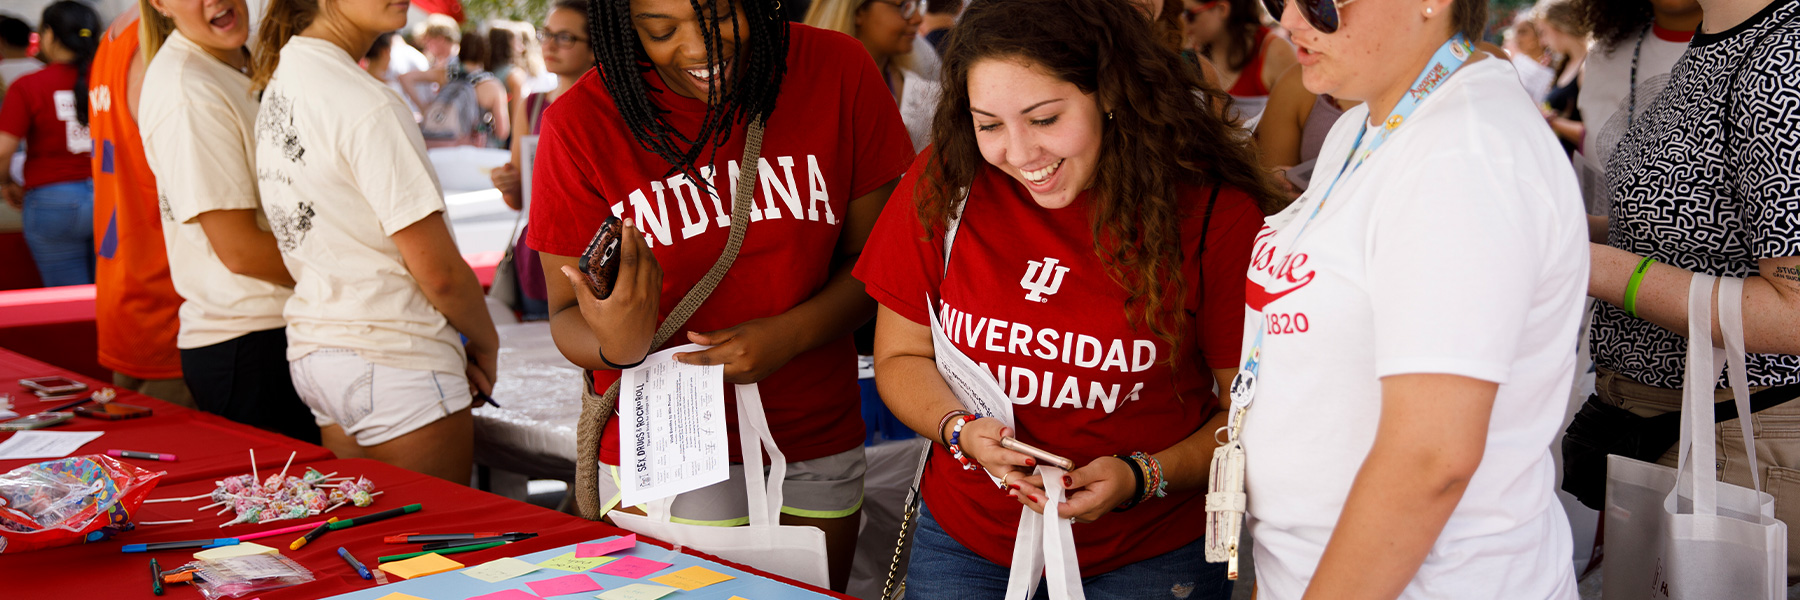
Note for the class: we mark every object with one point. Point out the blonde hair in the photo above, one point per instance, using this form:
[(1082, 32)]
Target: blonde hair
[(285, 19), (153, 30), (442, 26), (840, 16)]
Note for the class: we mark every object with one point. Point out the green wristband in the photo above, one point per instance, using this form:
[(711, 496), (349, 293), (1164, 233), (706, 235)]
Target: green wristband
[(1631, 288)]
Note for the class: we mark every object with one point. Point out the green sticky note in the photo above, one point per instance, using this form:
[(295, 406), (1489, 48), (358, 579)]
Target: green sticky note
[(500, 570), (569, 562), (637, 591)]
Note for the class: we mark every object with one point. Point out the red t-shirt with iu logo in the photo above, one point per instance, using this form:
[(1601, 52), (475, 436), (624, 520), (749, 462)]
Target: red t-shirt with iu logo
[(1026, 297), (835, 135)]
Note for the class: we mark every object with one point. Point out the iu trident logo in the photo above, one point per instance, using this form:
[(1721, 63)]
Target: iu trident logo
[(1041, 279)]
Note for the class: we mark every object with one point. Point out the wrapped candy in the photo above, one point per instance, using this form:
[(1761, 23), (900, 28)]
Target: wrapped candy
[(58, 502)]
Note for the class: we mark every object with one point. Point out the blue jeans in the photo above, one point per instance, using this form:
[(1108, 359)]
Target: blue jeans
[(59, 229), (942, 569)]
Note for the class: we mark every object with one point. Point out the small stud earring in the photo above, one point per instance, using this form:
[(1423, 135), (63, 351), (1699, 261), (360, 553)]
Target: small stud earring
[(1427, 11), (1109, 115)]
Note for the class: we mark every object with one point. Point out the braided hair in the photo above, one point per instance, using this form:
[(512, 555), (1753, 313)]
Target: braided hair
[(761, 61)]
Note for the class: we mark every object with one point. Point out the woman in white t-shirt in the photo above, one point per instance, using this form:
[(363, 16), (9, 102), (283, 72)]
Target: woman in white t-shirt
[(889, 29), (1407, 339), (381, 291), (198, 122)]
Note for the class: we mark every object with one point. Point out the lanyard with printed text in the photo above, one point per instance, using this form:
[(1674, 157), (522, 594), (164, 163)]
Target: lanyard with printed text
[(1446, 61)]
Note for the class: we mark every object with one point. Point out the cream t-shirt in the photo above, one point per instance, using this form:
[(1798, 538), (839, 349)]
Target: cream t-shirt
[(342, 167), (198, 121)]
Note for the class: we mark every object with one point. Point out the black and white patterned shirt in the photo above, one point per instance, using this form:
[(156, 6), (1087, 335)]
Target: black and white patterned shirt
[(1696, 192)]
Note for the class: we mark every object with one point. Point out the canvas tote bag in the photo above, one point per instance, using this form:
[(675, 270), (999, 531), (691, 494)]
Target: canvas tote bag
[(1681, 533)]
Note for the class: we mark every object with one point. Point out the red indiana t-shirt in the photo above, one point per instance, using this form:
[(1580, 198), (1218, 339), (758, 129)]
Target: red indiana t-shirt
[(40, 109), (835, 135), (1028, 299)]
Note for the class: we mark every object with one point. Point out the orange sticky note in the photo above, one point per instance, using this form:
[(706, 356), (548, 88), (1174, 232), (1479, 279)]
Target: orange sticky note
[(692, 578), (420, 566)]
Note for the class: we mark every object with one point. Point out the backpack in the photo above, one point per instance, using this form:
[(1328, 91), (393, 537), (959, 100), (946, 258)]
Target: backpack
[(455, 113)]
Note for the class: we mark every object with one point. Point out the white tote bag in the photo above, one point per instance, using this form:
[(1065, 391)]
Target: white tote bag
[(795, 552), (1681, 533)]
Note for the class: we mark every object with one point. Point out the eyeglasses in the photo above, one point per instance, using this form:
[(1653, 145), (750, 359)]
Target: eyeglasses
[(561, 39), (908, 8), (1321, 14)]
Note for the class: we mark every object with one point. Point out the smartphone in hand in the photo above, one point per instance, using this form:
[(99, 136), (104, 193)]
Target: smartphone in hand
[(601, 260)]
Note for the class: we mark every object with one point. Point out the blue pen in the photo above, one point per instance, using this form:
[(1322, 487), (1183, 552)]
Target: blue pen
[(360, 569), (201, 544)]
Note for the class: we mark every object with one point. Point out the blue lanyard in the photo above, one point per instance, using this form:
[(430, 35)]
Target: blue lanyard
[(1447, 60)]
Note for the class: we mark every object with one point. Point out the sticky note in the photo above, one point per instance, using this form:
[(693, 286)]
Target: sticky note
[(500, 570), (632, 567), (737, 598), (420, 566), (637, 591), (604, 548), (693, 578), (569, 562), (241, 549), (567, 584), (399, 596), (506, 595)]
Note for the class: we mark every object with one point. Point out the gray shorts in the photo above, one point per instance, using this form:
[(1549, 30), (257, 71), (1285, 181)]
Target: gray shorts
[(823, 488)]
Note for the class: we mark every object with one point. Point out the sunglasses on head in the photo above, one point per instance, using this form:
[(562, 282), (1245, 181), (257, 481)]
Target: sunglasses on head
[(1321, 14)]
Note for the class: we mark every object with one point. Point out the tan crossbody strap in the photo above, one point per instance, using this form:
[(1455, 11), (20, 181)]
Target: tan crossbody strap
[(596, 409)]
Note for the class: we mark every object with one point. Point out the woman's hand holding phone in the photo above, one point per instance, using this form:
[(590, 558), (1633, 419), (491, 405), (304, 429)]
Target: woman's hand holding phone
[(625, 321)]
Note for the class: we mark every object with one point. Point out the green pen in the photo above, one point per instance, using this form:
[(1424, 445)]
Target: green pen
[(371, 518), (454, 550)]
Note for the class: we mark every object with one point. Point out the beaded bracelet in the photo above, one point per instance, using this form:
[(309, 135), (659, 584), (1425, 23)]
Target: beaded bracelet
[(946, 421), (1137, 472), (956, 441)]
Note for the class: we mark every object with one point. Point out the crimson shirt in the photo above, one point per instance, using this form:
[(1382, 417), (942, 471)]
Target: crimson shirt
[(835, 135), (30, 114), (1084, 383)]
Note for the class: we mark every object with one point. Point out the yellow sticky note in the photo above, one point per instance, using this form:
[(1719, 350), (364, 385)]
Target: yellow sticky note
[(731, 598), (692, 578), (420, 566), (399, 596), (242, 549), (636, 591), (568, 562), (500, 570)]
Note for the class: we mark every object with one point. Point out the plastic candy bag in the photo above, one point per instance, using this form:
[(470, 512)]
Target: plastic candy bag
[(238, 576), (58, 502)]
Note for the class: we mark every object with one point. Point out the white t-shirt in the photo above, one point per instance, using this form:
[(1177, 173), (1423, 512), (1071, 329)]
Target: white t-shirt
[(342, 167), (403, 59), (14, 68), (1605, 94), (198, 119), (1457, 248)]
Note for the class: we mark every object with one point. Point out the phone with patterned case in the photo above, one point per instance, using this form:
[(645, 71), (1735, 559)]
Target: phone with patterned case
[(601, 260)]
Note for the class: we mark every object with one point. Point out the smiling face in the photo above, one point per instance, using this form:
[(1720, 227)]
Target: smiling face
[(673, 39), (219, 26), (1039, 129), (572, 59), (883, 31)]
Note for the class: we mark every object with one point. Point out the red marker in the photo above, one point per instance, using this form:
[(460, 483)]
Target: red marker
[(143, 455)]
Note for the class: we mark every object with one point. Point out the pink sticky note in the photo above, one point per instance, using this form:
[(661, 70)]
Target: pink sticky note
[(631, 567), (604, 548), (506, 595), (567, 584)]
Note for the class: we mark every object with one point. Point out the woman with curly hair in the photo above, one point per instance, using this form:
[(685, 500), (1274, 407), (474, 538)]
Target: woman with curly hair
[(1072, 158)]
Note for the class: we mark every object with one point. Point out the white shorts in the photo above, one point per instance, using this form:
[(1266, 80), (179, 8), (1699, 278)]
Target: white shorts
[(341, 389)]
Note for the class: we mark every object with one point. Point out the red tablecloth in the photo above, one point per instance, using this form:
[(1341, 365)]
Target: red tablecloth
[(100, 570), (207, 446)]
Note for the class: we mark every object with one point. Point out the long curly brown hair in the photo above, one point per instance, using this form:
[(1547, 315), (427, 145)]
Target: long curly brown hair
[(1161, 137)]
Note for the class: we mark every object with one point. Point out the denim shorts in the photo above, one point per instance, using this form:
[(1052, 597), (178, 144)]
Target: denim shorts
[(942, 569)]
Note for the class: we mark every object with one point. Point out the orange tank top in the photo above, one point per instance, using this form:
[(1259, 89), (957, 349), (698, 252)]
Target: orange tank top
[(135, 302)]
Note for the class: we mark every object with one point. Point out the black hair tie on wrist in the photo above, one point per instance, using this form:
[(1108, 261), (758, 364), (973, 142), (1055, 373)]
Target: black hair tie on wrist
[(602, 353), (1138, 473)]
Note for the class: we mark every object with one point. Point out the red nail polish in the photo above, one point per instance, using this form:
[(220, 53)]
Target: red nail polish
[(1037, 499), (1068, 482), (1030, 462), (1013, 485)]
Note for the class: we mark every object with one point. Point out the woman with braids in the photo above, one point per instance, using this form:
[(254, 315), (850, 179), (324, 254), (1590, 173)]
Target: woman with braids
[(381, 293), (1073, 154), (653, 135), (48, 110)]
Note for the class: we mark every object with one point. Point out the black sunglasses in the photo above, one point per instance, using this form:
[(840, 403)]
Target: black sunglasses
[(1321, 14)]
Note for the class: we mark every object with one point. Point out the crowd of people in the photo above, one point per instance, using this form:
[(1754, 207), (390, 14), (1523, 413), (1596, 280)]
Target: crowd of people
[(1356, 241)]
